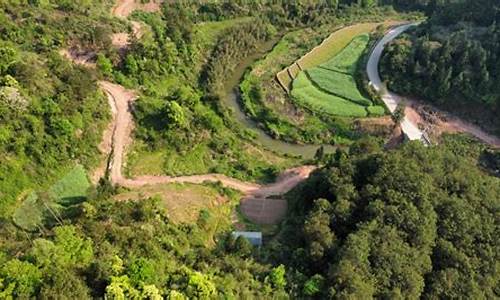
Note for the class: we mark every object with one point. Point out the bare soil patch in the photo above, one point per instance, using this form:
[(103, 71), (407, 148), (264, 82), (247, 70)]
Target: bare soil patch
[(435, 122), (124, 8), (79, 57)]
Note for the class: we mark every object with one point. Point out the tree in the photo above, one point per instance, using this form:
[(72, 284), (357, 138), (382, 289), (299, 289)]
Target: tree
[(175, 115), (8, 57), (104, 64), (277, 277), (20, 278), (399, 113), (314, 285)]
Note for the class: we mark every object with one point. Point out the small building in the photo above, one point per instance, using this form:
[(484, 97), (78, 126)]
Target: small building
[(254, 237)]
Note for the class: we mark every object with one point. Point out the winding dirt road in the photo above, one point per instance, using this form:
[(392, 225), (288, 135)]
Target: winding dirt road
[(121, 100)]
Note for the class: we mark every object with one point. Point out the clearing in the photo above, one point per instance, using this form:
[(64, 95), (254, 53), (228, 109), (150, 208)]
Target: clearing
[(40, 206), (182, 201)]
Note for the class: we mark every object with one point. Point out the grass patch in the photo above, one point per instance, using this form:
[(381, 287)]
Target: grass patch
[(347, 59), (72, 188), (306, 94), (339, 84), (37, 207)]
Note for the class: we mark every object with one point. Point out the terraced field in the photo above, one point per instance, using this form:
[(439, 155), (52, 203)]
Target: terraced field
[(330, 87)]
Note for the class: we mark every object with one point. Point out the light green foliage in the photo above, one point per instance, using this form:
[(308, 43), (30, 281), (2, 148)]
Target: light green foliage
[(339, 84), (175, 115), (314, 285), (347, 59), (305, 94), (19, 279), (140, 271), (200, 286), (277, 277), (376, 110), (104, 64), (8, 56), (68, 250)]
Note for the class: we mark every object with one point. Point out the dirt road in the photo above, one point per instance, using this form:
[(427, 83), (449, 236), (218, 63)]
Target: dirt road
[(121, 101)]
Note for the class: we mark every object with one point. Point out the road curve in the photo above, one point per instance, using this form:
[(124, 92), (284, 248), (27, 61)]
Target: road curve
[(121, 100), (391, 100)]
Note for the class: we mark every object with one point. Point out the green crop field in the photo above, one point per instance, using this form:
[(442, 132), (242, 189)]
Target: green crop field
[(346, 60), (334, 44), (336, 83), (376, 110), (307, 95), (331, 88)]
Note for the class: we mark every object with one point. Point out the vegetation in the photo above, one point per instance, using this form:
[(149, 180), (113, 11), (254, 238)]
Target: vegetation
[(336, 83), (51, 112), (265, 101), (413, 223), (346, 60), (452, 61), (330, 88), (306, 94)]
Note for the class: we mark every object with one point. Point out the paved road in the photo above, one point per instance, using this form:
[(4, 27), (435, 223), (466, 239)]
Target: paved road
[(390, 99)]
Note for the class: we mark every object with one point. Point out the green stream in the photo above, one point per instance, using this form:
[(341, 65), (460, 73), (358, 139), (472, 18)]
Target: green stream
[(232, 100)]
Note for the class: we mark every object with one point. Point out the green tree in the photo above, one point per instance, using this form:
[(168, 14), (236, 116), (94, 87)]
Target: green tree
[(21, 278), (277, 277), (175, 115), (104, 64)]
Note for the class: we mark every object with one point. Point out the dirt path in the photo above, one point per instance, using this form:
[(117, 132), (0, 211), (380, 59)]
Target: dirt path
[(124, 8), (259, 202)]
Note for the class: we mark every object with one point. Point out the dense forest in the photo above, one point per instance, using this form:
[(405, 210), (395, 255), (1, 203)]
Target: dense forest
[(412, 222), (451, 60)]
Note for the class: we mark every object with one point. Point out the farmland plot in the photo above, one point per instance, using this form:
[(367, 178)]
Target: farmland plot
[(307, 95), (330, 87), (338, 84)]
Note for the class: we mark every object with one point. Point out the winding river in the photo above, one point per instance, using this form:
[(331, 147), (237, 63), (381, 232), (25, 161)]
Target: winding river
[(232, 100)]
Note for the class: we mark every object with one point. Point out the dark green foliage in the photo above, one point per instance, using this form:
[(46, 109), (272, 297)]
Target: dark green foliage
[(416, 222), (452, 64)]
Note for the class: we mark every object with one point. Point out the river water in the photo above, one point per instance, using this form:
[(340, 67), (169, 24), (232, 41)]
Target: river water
[(231, 100)]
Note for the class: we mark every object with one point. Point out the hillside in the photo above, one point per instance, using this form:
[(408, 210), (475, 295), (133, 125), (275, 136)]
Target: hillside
[(139, 138)]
